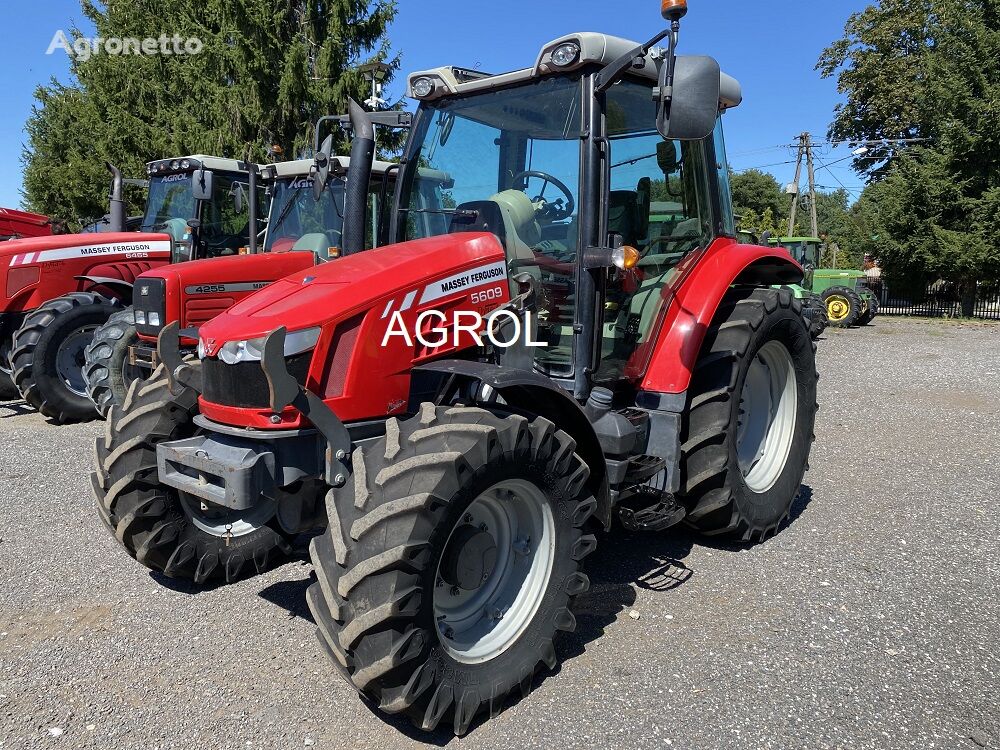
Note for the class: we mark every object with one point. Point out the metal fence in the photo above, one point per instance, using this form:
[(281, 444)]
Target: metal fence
[(940, 299)]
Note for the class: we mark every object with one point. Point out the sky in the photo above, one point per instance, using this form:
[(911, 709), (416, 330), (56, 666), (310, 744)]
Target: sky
[(771, 48)]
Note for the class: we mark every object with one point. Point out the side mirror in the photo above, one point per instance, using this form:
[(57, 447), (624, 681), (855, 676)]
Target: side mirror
[(321, 168), (239, 198), (204, 182), (688, 110)]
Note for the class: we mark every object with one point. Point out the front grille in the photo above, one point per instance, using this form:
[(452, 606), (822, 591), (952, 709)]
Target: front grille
[(243, 385), (150, 296)]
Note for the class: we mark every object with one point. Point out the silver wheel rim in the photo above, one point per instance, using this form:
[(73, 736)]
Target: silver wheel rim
[(223, 522), (70, 359), (768, 409), (479, 624)]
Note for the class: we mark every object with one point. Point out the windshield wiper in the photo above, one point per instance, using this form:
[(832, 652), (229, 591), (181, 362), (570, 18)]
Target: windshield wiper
[(285, 209)]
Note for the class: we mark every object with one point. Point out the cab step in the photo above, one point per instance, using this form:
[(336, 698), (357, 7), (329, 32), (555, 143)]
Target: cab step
[(661, 515)]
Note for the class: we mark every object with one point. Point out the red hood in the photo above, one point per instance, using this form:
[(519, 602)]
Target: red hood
[(338, 290), (22, 248)]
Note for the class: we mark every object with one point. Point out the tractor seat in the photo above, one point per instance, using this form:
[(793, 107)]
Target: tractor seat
[(317, 243)]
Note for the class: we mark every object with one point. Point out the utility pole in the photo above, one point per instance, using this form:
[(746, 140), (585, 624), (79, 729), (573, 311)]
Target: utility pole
[(795, 191), (805, 154), (812, 186)]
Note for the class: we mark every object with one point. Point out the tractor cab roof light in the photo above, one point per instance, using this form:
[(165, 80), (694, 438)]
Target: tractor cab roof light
[(422, 87), (565, 54)]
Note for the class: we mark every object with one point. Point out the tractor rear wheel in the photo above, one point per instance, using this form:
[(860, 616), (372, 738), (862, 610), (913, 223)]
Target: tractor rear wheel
[(751, 411), (48, 355), (165, 530), (451, 561), (107, 371), (843, 306)]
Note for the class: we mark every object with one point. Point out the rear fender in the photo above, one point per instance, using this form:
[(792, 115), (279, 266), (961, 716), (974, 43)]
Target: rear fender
[(691, 304), (525, 393)]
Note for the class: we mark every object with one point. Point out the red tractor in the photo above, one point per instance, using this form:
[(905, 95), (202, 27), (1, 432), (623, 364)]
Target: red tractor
[(306, 199), (16, 224), (58, 290), (460, 414)]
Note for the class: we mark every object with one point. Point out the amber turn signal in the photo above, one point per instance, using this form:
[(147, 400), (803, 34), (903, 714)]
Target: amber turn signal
[(674, 10), (626, 258)]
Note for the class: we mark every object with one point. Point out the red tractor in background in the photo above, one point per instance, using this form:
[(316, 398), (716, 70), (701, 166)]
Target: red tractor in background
[(459, 480), (15, 224), (305, 227), (58, 290)]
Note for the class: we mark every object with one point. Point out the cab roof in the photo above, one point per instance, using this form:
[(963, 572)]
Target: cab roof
[(595, 49), (302, 167)]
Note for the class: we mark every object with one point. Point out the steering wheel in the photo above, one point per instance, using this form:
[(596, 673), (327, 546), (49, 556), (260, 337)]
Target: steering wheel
[(555, 210)]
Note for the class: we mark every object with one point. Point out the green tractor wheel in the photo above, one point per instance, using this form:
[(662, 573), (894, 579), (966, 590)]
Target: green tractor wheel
[(843, 306)]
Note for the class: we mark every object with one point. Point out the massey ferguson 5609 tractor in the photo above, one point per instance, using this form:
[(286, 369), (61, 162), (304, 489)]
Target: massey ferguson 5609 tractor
[(305, 228), (58, 290), (459, 483)]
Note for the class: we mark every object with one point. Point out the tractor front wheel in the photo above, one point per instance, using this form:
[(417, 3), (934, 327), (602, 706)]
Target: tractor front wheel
[(843, 306), (8, 391), (48, 355), (451, 561), (107, 370), (751, 411), (870, 312), (165, 530)]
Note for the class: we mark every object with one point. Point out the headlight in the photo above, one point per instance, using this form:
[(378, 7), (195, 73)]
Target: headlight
[(252, 350), (175, 165), (422, 87), (201, 349), (154, 319), (565, 54), (140, 317), (186, 164)]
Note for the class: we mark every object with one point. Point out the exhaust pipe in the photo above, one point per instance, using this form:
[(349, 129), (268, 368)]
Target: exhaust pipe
[(116, 214), (358, 178)]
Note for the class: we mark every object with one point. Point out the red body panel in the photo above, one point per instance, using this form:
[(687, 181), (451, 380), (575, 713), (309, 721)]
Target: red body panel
[(35, 270), (17, 224), (198, 290), (688, 306), (355, 300)]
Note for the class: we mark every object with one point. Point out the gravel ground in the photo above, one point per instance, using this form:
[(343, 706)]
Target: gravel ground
[(871, 621)]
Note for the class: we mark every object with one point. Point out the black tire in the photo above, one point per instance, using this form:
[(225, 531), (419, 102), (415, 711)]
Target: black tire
[(841, 295), (8, 391), (107, 370), (36, 352), (149, 519), (377, 562), (817, 318), (713, 487), (871, 312)]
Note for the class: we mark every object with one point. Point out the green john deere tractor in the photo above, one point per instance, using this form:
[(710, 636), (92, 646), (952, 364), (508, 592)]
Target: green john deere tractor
[(845, 293), (813, 306)]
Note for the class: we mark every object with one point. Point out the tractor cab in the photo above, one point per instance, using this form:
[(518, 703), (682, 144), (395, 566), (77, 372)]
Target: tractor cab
[(298, 221), (564, 162), (200, 202)]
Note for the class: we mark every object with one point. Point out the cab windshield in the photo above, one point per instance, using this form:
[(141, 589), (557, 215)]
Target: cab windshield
[(297, 218), (300, 222), (170, 201), (510, 160)]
